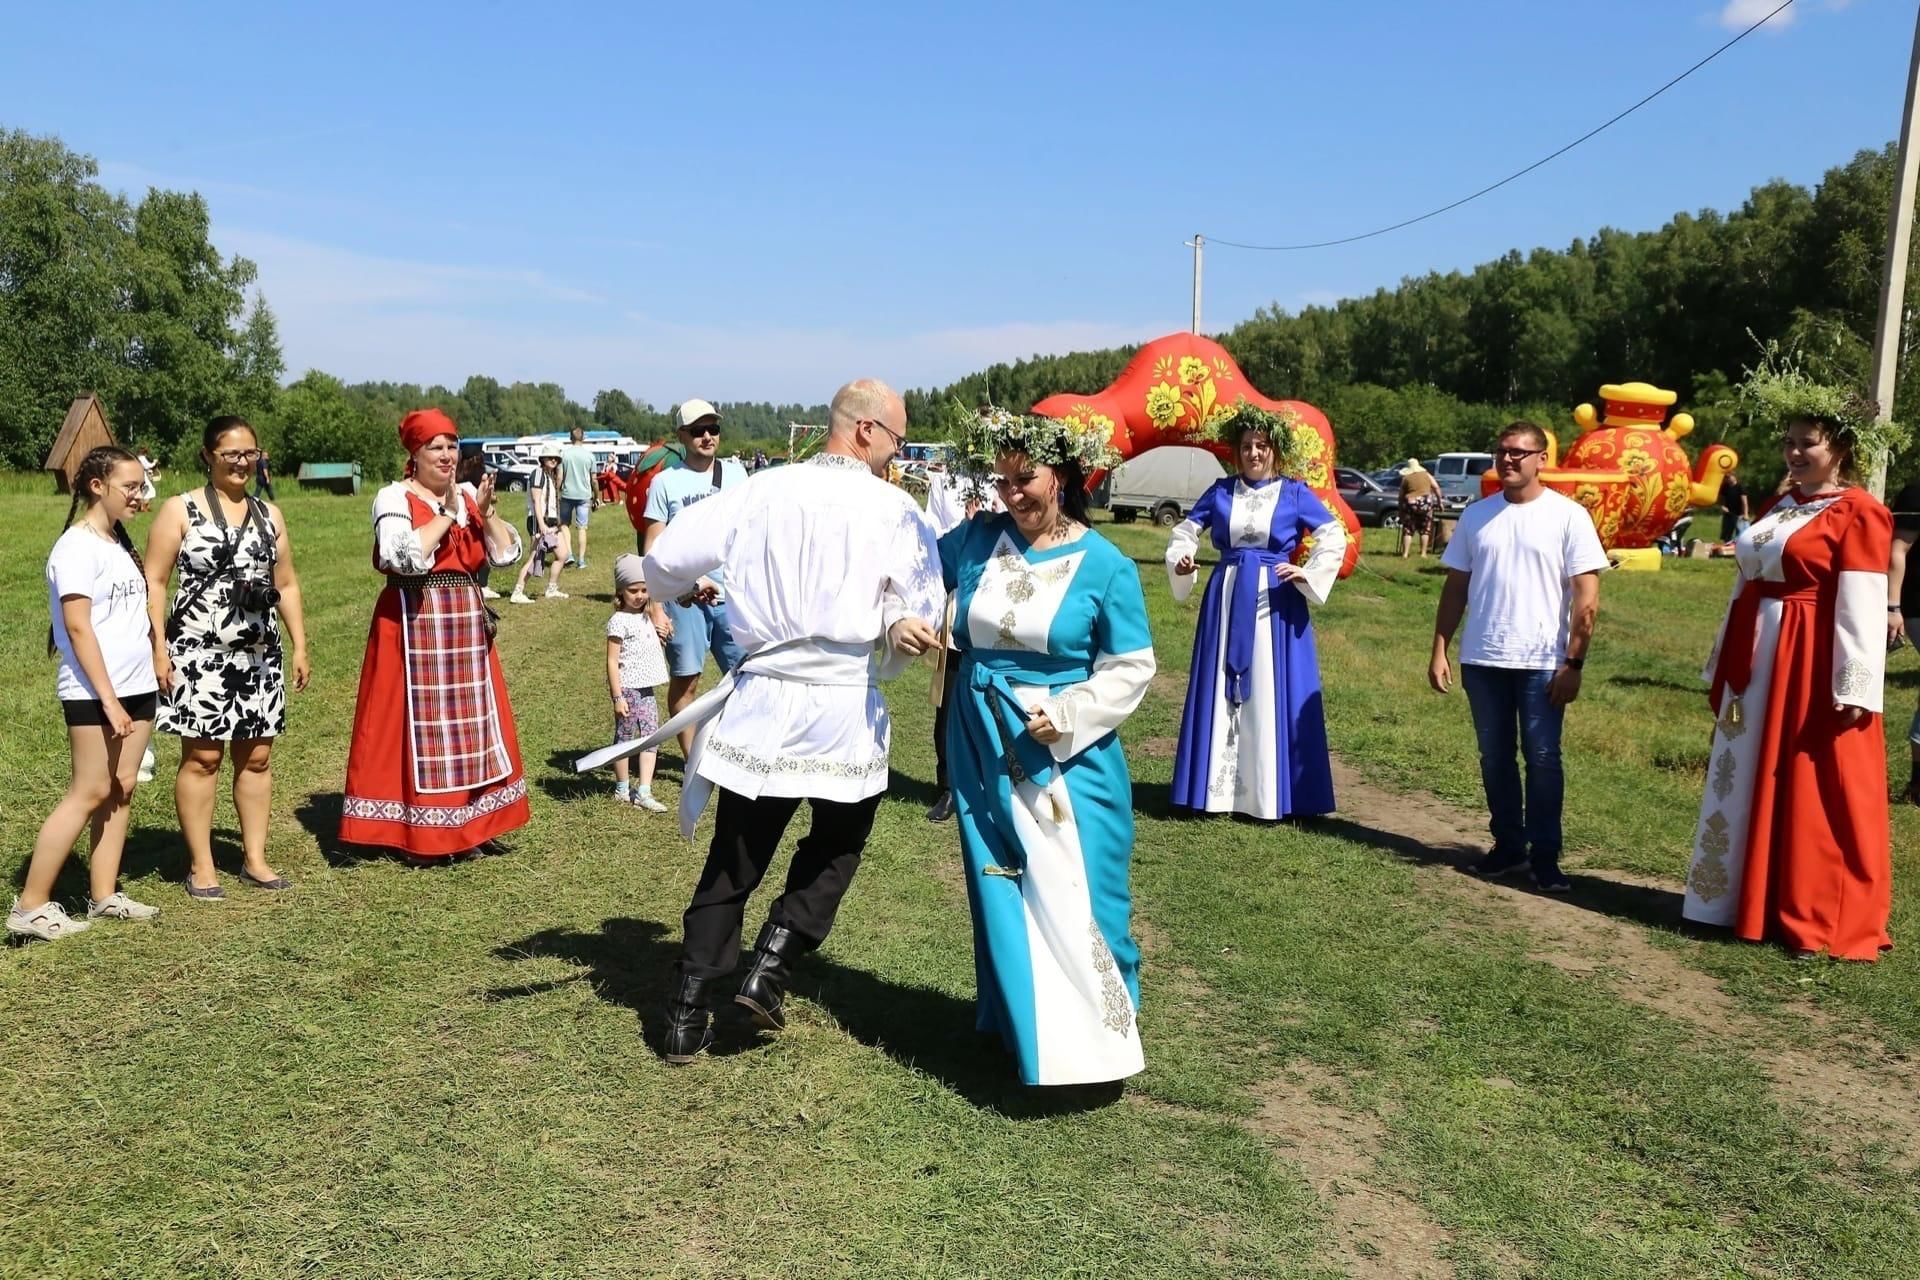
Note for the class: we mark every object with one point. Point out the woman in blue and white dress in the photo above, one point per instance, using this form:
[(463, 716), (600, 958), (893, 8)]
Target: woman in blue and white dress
[(1055, 653), (1253, 737)]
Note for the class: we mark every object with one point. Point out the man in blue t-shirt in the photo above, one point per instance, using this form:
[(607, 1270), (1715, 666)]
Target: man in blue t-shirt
[(695, 624), (576, 491)]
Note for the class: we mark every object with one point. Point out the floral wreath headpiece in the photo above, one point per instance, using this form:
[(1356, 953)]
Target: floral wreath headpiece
[(1281, 428), (990, 431), (1777, 388)]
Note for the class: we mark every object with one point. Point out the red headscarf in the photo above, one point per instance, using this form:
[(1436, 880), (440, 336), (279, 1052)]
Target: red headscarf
[(421, 426)]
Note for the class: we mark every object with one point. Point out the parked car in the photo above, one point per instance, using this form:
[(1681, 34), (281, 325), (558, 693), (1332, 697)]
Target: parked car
[(1163, 483), (1458, 475), (511, 472), (1374, 504)]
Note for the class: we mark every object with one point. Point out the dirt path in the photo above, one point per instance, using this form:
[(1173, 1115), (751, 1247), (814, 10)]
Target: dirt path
[(1377, 1229), (1855, 1105)]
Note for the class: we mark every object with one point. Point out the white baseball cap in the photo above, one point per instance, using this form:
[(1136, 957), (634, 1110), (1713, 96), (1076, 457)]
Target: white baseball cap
[(692, 411)]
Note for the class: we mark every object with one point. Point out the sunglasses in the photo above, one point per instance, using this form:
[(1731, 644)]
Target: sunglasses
[(899, 441), (698, 431)]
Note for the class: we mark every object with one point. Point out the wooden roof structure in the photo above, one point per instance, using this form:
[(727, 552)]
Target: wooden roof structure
[(84, 430)]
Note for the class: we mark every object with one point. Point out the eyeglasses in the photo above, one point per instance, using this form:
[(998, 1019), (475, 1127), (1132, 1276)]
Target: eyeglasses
[(237, 457), (899, 441), (133, 490), (1516, 455)]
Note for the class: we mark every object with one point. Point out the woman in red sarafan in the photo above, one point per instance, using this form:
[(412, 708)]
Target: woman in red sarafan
[(1793, 844), (434, 768)]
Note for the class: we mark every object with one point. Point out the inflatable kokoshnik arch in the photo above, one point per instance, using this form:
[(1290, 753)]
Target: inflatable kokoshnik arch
[(1178, 383)]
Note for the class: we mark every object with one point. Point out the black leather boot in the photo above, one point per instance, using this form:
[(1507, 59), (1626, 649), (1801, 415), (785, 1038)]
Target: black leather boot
[(689, 1025), (764, 993)]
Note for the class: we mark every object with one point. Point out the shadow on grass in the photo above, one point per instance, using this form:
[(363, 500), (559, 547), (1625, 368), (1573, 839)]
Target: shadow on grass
[(149, 851), (563, 784), (1658, 682), (1646, 904), (630, 962), (319, 816), (902, 786), (1154, 800)]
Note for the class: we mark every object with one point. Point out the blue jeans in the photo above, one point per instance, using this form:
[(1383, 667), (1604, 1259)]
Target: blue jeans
[(1511, 711)]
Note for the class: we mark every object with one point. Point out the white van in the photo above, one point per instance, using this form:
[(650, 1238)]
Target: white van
[(1459, 475), (1164, 483)]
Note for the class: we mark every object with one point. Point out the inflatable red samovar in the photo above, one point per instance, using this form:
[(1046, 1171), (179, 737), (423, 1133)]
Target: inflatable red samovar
[(1630, 473), (1175, 385)]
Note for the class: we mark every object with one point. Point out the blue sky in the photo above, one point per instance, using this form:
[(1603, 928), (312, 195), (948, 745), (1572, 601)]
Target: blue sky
[(761, 201)]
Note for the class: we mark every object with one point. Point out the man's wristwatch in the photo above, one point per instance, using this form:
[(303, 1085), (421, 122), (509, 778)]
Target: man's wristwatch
[(1576, 663)]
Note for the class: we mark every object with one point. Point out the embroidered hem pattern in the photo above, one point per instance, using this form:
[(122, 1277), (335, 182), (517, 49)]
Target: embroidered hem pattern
[(428, 815), (794, 765)]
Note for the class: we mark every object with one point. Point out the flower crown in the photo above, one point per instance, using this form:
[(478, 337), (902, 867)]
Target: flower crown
[(1779, 389), (1281, 428), (985, 434)]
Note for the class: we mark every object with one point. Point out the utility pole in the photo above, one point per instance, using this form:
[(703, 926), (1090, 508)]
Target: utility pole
[(1196, 244), (1893, 285)]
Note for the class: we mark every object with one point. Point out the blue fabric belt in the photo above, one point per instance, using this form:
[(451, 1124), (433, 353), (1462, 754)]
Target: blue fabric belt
[(996, 737), (1243, 612)]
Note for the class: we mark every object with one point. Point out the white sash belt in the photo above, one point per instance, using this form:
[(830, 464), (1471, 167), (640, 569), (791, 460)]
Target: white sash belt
[(807, 660)]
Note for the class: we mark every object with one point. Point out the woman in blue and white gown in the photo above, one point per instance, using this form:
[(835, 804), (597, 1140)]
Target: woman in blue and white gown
[(1054, 653), (1253, 736)]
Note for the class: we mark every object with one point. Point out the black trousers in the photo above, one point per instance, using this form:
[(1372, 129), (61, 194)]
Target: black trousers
[(745, 835), (940, 719)]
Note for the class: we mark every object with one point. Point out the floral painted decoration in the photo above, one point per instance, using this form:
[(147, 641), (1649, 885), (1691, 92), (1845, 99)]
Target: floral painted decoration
[(1778, 389), (987, 433)]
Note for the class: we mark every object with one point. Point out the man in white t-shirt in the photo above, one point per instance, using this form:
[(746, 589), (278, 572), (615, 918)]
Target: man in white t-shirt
[(698, 622), (1524, 565)]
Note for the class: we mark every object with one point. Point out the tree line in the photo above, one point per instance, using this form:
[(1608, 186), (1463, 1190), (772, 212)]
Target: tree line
[(133, 301), (1442, 360)]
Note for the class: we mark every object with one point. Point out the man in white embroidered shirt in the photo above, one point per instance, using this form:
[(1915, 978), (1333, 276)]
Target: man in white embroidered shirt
[(830, 570)]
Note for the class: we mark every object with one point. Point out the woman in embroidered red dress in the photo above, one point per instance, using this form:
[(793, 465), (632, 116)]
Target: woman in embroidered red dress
[(434, 767), (1793, 844)]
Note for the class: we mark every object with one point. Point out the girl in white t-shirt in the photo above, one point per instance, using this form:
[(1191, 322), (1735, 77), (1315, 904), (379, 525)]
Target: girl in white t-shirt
[(636, 666), (97, 594)]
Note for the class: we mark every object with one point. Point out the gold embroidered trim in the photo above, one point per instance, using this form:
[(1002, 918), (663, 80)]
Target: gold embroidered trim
[(1116, 1010), (1723, 769), (1709, 878)]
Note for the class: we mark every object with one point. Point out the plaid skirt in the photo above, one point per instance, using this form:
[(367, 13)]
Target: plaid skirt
[(434, 767)]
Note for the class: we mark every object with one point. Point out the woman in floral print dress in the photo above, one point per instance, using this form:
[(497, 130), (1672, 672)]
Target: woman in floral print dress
[(217, 649)]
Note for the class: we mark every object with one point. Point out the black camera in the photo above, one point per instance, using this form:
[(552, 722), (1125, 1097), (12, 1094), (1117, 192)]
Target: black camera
[(255, 595)]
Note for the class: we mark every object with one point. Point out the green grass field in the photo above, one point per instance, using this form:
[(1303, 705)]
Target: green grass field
[(1360, 1062)]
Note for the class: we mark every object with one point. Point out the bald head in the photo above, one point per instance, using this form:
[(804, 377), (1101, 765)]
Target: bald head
[(867, 399), (868, 421)]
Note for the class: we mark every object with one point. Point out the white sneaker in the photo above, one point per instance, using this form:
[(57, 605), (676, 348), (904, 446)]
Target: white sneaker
[(49, 923), (520, 597), (557, 595), (488, 593), (645, 800), (147, 766), (120, 907)]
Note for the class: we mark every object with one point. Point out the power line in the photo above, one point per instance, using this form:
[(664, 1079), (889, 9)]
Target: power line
[(1446, 208)]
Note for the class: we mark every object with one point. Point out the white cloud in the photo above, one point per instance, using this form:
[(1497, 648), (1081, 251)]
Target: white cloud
[(1738, 15), (364, 317)]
